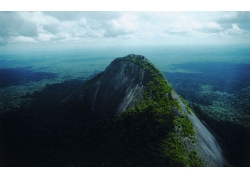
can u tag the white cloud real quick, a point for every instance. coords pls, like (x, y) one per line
(121, 26)
(42, 19)
(214, 25)
(107, 27)
(83, 21)
(210, 27)
(68, 37)
(128, 22)
(22, 39)
(45, 37)
(235, 29)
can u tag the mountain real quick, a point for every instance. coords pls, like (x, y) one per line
(117, 88)
(134, 117)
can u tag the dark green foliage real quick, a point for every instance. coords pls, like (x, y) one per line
(34, 134)
(219, 94)
(21, 76)
(68, 135)
(156, 109)
(186, 127)
(142, 135)
(235, 135)
(194, 160)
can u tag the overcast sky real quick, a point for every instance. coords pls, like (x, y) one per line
(87, 29)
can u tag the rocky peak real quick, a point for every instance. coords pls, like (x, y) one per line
(117, 88)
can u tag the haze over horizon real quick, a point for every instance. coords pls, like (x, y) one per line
(86, 29)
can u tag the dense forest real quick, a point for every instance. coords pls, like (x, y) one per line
(35, 132)
(219, 94)
(43, 131)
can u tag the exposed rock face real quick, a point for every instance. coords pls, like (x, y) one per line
(124, 82)
(207, 145)
(125, 79)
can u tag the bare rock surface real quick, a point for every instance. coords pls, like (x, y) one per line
(125, 79)
(207, 145)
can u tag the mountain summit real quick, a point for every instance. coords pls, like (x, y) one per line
(135, 118)
(118, 88)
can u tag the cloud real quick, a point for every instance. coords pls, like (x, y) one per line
(64, 15)
(235, 31)
(66, 26)
(52, 28)
(58, 27)
(13, 25)
(242, 19)
(75, 16)
(124, 25)
(45, 37)
(22, 39)
(211, 27)
(90, 24)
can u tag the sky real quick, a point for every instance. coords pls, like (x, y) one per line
(79, 29)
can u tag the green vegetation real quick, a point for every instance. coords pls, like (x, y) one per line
(43, 132)
(186, 126)
(235, 134)
(219, 94)
(174, 148)
(155, 109)
(143, 135)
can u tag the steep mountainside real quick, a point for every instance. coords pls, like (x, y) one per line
(117, 88)
(128, 115)
(136, 121)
